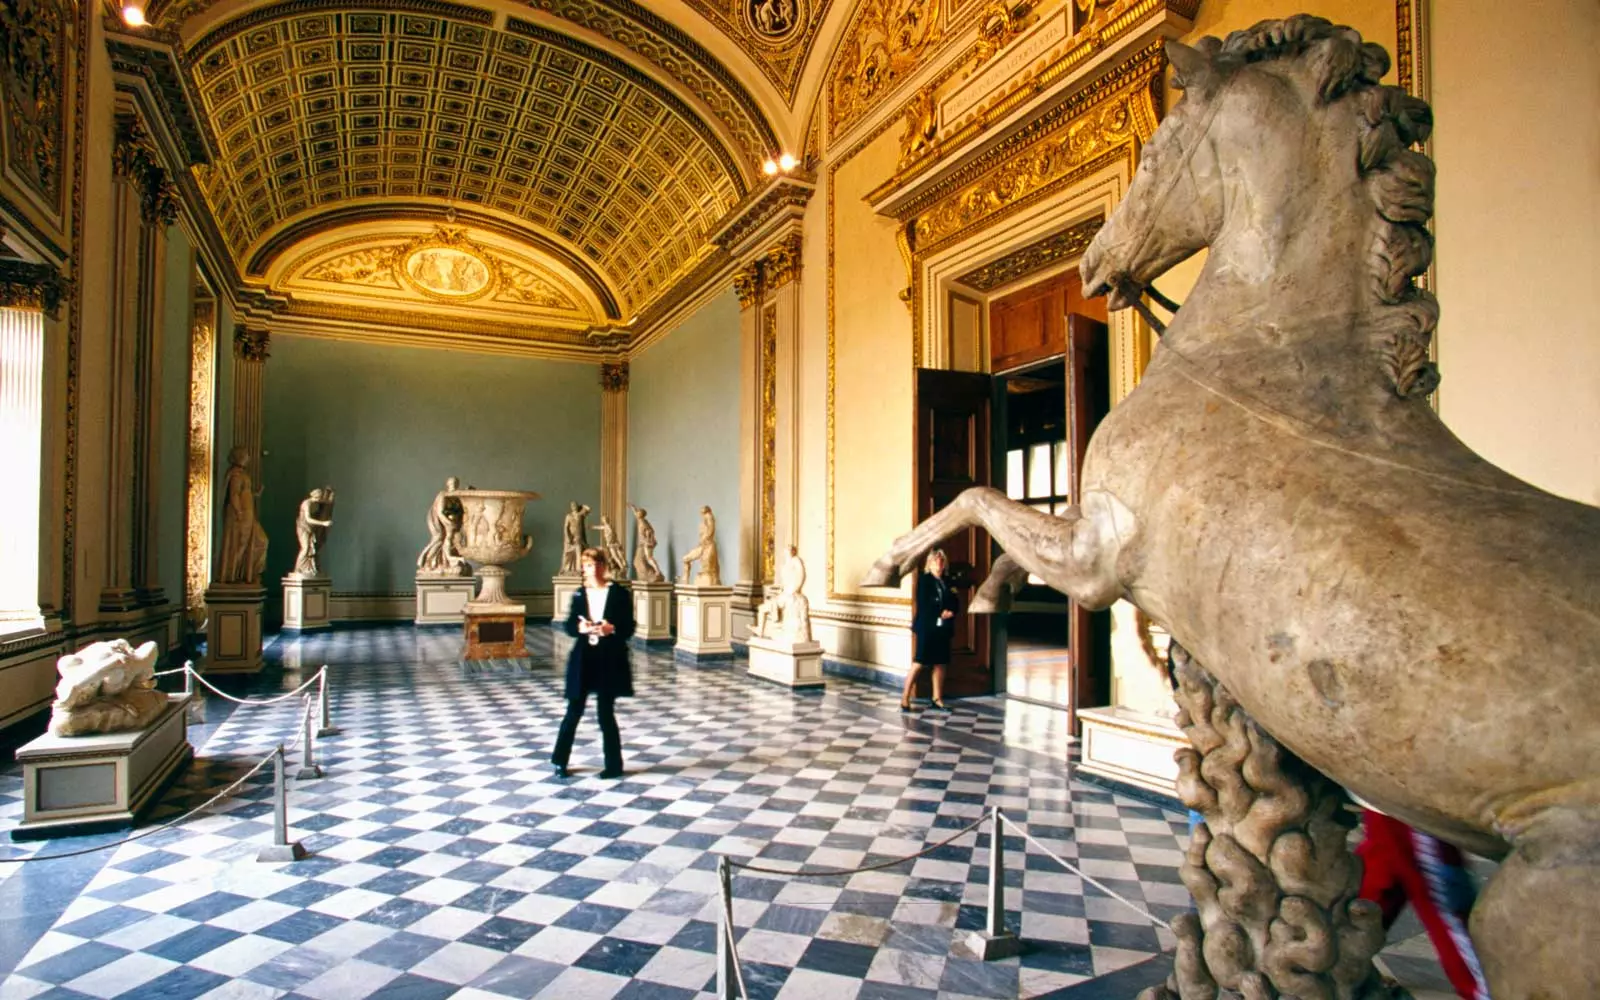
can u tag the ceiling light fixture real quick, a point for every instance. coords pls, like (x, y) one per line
(787, 162)
(782, 165)
(770, 168)
(133, 14)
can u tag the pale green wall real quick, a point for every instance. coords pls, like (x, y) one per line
(175, 411)
(385, 425)
(683, 434)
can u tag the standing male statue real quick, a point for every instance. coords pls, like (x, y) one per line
(645, 567)
(705, 550)
(788, 614)
(616, 554)
(439, 557)
(574, 538)
(312, 531)
(244, 542)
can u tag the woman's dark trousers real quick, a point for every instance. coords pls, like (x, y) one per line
(610, 737)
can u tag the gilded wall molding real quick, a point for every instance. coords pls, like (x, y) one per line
(887, 40)
(251, 343)
(69, 492)
(134, 159)
(32, 286)
(1037, 256)
(200, 457)
(747, 284)
(781, 264)
(614, 376)
(144, 57)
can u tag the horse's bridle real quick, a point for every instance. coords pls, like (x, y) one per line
(1135, 292)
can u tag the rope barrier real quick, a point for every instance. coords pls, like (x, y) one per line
(831, 872)
(266, 701)
(1074, 869)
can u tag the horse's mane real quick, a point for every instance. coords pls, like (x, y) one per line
(1398, 178)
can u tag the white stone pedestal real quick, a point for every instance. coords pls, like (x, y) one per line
(442, 600)
(705, 623)
(562, 587)
(305, 602)
(81, 784)
(785, 661)
(1131, 747)
(652, 612)
(233, 629)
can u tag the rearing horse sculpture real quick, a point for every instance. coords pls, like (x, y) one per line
(1415, 623)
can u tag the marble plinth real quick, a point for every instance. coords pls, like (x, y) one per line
(652, 612)
(233, 628)
(1131, 747)
(705, 621)
(306, 600)
(747, 597)
(495, 632)
(562, 587)
(81, 784)
(786, 661)
(442, 600)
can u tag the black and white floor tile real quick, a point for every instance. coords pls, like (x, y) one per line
(447, 859)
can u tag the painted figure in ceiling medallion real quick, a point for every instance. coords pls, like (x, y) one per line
(447, 271)
(773, 20)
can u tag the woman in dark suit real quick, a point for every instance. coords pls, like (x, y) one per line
(931, 624)
(600, 617)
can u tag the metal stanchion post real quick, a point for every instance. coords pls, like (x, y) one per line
(328, 728)
(188, 677)
(727, 972)
(308, 762)
(994, 941)
(280, 849)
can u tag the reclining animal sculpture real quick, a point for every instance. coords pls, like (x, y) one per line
(1414, 623)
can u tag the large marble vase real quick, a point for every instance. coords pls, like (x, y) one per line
(491, 537)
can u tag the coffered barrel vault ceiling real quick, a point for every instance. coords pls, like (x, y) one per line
(317, 108)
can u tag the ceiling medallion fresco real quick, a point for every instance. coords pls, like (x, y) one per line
(444, 267)
(317, 108)
(777, 34)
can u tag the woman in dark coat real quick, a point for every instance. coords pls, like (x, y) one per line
(600, 617)
(931, 625)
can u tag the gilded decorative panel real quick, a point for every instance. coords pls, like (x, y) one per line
(1034, 257)
(886, 42)
(315, 108)
(778, 34)
(769, 442)
(35, 36)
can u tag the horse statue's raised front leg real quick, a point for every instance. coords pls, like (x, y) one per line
(1075, 552)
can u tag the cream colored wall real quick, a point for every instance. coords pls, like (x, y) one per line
(872, 371)
(1373, 18)
(1516, 98)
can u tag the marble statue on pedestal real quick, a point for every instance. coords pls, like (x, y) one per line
(440, 557)
(574, 538)
(705, 551)
(312, 531)
(106, 687)
(645, 567)
(244, 542)
(788, 614)
(616, 554)
(1362, 588)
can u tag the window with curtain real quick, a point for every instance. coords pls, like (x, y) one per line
(21, 447)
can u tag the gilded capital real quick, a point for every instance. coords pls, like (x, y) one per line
(134, 159)
(251, 344)
(747, 282)
(32, 286)
(614, 376)
(781, 264)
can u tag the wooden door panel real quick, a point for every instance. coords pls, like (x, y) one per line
(952, 438)
(1088, 399)
(1028, 326)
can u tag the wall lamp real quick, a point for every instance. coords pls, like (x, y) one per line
(782, 164)
(133, 14)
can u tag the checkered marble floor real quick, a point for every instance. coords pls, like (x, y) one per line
(447, 860)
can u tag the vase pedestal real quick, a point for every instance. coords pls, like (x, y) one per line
(233, 627)
(306, 600)
(788, 662)
(442, 600)
(652, 612)
(494, 631)
(705, 623)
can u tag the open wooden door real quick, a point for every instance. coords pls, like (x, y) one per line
(953, 455)
(1088, 401)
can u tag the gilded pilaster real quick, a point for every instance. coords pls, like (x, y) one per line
(614, 443)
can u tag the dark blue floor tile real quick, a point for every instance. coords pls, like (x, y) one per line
(181, 983)
(298, 928)
(1133, 937)
(398, 913)
(696, 935)
(617, 956)
(73, 962)
(402, 950)
(192, 943)
(592, 917)
(501, 933)
(212, 905)
(838, 957)
(518, 976)
(571, 887)
(409, 987)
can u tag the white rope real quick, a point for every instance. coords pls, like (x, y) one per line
(174, 670)
(1074, 869)
(263, 762)
(266, 701)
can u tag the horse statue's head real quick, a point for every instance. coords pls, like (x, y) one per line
(1294, 165)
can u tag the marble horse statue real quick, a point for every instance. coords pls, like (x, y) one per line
(1410, 621)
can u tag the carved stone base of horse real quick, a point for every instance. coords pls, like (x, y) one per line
(1271, 870)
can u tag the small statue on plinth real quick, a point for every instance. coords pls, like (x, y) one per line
(616, 554)
(440, 557)
(574, 538)
(788, 614)
(244, 541)
(312, 531)
(106, 687)
(705, 551)
(645, 567)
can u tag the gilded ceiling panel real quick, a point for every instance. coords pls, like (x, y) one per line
(778, 34)
(316, 107)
